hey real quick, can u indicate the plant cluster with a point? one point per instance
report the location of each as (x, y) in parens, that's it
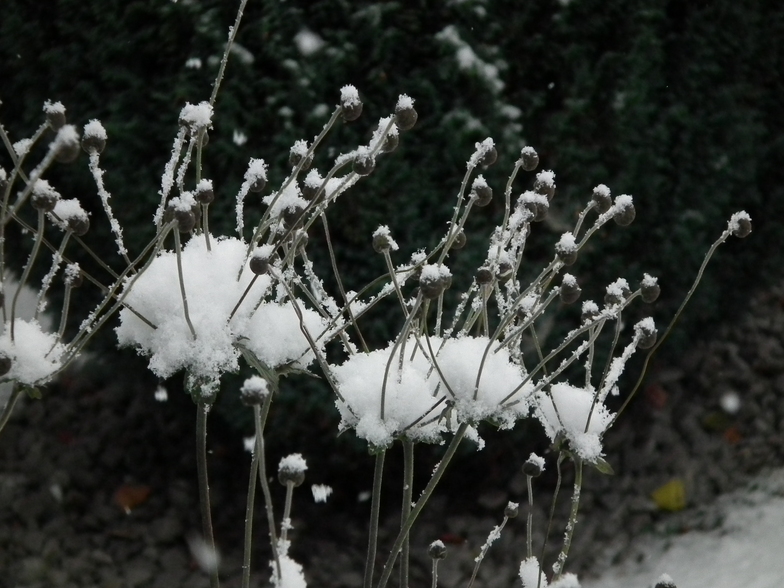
(195, 302)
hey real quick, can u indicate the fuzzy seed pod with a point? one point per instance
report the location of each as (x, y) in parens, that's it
(649, 289)
(390, 143)
(647, 333)
(295, 157)
(405, 116)
(364, 163)
(292, 215)
(625, 212)
(350, 104)
(570, 289)
(741, 225)
(529, 158)
(55, 117)
(433, 280)
(590, 311)
(512, 510)
(532, 467)
(437, 550)
(381, 242)
(291, 473)
(204, 193)
(460, 240)
(44, 197)
(5, 363)
(545, 184)
(74, 278)
(186, 220)
(258, 184)
(484, 276)
(617, 292)
(602, 199)
(483, 193)
(566, 249)
(79, 225)
(93, 143)
(259, 262)
(489, 157)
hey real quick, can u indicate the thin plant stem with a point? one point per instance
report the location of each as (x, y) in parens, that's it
(408, 492)
(480, 558)
(552, 514)
(225, 59)
(420, 504)
(375, 510)
(578, 483)
(248, 542)
(178, 249)
(39, 235)
(9, 406)
(434, 583)
(260, 414)
(286, 522)
(202, 410)
(529, 523)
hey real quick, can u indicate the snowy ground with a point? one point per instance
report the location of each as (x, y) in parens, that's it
(744, 550)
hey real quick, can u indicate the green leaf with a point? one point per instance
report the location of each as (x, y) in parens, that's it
(33, 392)
(604, 467)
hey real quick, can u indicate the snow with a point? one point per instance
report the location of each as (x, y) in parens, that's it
(32, 363)
(197, 116)
(565, 410)
(54, 107)
(349, 96)
(22, 146)
(743, 551)
(293, 463)
(308, 42)
(404, 102)
(94, 129)
(66, 210)
(320, 492)
(383, 231)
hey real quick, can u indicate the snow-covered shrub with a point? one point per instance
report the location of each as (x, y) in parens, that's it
(197, 302)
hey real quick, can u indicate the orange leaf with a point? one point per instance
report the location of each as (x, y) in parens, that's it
(129, 496)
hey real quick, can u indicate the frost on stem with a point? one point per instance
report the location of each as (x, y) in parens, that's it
(254, 181)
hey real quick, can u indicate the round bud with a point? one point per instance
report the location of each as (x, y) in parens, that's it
(68, 151)
(253, 391)
(5, 363)
(649, 289)
(93, 143)
(570, 290)
(484, 276)
(186, 220)
(532, 467)
(617, 292)
(44, 197)
(76, 280)
(483, 193)
(204, 193)
(602, 199)
(259, 263)
(646, 330)
(390, 143)
(351, 111)
(434, 280)
(529, 158)
(309, 190)
(381, 242)
(364, 163)
(742, 227)
(489, 157)
(258, 184)
(459, 240)
(55, 118)
(292, 215)
(538, 209)
(590, 312)
(437, 550)
(625, 217)
(295, 157)
(405, 117)
(293, 477)
(78, 224)
(512, 510)
(545, 185)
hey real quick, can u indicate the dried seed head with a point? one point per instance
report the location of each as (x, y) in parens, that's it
(624, 210)
(364, 162)
(94, 137)
(481, 191)
(436, 550)
(260, 260)
(740, 224)
(459, 240)
(5, 363)
(570, 289)
(299, 153)
(566, 248)
(43, 196)
(66, 144)
(79, 224)
(350, 104)
(383, 241)
(253, 391)
(545, 184)
(433, 280)
(645, 331)
(529, 158)
(484, 155)
(484, 275)
(617, 292)
(311, 185)
(649, 288)
(291, 470)
(256, 175)
(55, 114)
(405, 115)
(204, 192)
(512, 510)
(536, 204)
(589, 312)
(602, 199)
(534, 466)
